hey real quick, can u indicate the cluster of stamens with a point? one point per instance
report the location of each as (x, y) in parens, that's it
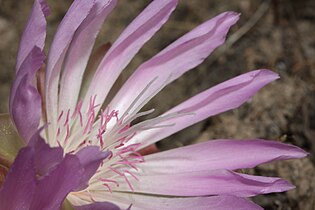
(110, 131)
(92, 129)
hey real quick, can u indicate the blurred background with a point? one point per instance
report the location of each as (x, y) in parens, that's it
(273, 34)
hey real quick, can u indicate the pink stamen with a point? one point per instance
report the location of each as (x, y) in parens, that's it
(134, 176)
(89, 124)
(110, 180)
(131, 164)
(67, 132)
(116, 171)
(59, 117)
(100, 138)
(126, 162)
(58, 132)
(91, 115)
(119, 145)
(92, 105)
(129, 184)
(115, 114)
(77, 110)
(124, 128)
(108, 187)
(124, 140)
(129, 148)
(110, 156)
(67, 118)
(81, 118)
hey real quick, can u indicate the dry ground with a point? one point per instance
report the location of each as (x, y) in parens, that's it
(277, 34)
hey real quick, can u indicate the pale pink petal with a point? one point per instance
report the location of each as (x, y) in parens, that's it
(76, 14)
(141, 201)
(220, 98)
(34, 33)
(203, 183)
(25, 100)
(126, 46)
(219, 154)
(79, 52)
(184, 54)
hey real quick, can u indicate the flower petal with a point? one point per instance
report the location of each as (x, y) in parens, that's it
(90, 158)
(219, 154)
(203, 183)
(76, 14)
(25, 100)
(220, 98)
(181, 56)
(46, 158)
(24, 189)
(140, 202)
(79, 52)
(126, 46)
(18, 189)
(53, 188)
(34, 33)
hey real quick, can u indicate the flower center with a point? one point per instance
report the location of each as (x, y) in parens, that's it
(110, 131)
(107, 130)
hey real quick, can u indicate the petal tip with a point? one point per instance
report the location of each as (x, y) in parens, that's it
(45, 8)
(300, 153)
(232, 14)
(266, 74)
(284, 185)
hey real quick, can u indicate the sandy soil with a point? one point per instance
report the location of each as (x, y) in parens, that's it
(279, 36)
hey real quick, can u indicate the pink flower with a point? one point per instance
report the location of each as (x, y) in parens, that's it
(200, 176)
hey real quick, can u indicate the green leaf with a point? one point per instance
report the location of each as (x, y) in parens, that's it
(10, 141)
(67, 205)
